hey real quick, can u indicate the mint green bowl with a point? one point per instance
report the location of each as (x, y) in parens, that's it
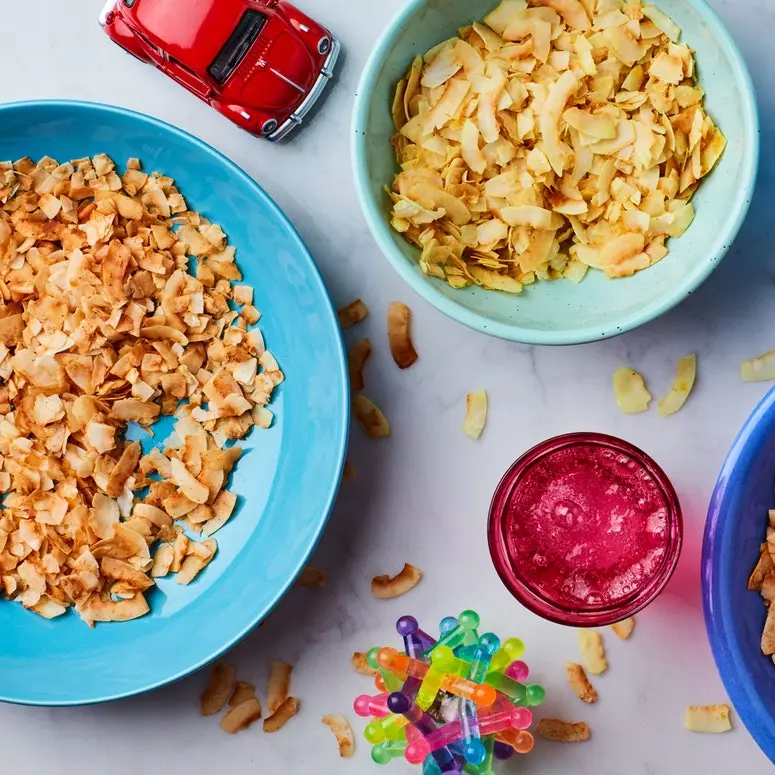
(560, 312)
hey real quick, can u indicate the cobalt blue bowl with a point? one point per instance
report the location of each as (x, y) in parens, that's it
(286, 480)
(734, 617)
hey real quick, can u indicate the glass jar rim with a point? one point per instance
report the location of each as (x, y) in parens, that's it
(551, 610)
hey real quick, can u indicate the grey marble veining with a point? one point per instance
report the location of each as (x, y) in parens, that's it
(428, 477)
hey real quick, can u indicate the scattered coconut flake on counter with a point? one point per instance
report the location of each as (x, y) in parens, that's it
(630, 390)
(624, 629)
(352, 314)
(241, 716)
(476, 414)
(759, 369)
(400, 335)
(361, 664)
(682, 387)
(343, 732)
(279, 684)
(370, 416)
(710, 719)
(554, 138)
(218, 691)
(387, 587)
(563, 731)
(357, 356)
(312, 577)
(578, 681)
(243, 691)
(592, 651)
(282, 715)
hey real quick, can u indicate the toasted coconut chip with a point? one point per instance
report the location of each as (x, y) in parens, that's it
(682, 387)
(199, 558)
(624, 628)
(241, 716)
(97, 610)
(216, 695)
(578, 681)
(763, 568)
(711, 719)
(192, 489)
(563, 731)
(370, 416)
(312, 577)
(353, 313)
(125, 571)
(399, 335)
(223, 507)
(124, 469)
(663, 22)
(768, 588)
(279, 684)
(48, 608)
(630, 390)
(768, 634)
(759, 369)
(349, 472)
(592, 651)
(152, 514)
(476, 414)
(282, 715)
(162, 560)
(343, 732)
(356, 360)
(388, 587)
(243, 692)
(361, 665)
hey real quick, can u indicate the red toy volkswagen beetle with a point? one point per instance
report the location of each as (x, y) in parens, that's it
(261, 63)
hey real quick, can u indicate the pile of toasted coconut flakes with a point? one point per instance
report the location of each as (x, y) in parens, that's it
(102, 325)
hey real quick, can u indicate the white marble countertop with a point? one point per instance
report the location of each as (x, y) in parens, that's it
(428, 477)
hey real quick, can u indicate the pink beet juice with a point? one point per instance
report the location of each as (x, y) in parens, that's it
(585, 529)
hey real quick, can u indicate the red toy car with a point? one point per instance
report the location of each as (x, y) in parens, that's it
(261, 63)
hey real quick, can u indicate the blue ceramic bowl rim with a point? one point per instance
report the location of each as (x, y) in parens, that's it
(340, 367)
(512, 331)
(716, 559)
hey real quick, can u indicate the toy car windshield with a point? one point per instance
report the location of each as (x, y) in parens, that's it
(237, 46)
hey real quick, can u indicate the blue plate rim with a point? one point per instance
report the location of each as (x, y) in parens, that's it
(340, 370)
(716, 564)
(424, 286)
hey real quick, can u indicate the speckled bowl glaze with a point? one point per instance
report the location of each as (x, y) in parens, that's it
(288, 476)
(561, 312)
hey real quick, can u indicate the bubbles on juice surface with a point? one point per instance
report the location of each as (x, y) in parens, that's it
(589, 526)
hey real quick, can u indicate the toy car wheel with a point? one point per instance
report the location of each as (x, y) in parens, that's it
(269, 126)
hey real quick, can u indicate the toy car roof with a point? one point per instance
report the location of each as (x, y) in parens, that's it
(173, 26)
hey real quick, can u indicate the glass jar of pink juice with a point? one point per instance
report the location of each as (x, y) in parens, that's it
(585, 530)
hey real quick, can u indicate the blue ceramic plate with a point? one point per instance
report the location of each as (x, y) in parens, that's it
(734, 616)
(286, 481)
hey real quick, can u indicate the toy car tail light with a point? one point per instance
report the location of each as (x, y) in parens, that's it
(268, 127)
(324, 45)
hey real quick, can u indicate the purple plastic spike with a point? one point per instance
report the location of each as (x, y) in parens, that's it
(400, 704)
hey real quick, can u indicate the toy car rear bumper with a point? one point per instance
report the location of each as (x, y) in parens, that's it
(314, 95)
(106, 9)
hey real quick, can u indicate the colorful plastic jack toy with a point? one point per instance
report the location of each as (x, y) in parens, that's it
(453, 705)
